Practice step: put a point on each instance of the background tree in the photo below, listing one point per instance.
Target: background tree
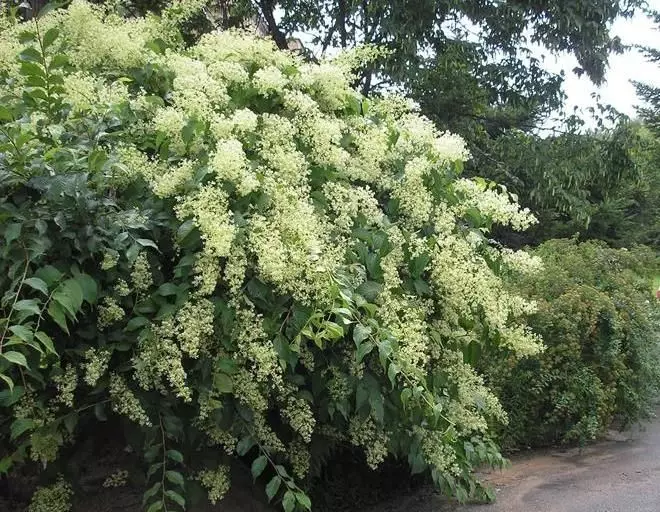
(649, 94)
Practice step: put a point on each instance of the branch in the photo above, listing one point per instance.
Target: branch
(328, 37)
(341, 21)
(18, 292)
(267, 8)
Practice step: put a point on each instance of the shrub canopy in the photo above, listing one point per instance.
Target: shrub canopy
(225, 246)
(599, 321)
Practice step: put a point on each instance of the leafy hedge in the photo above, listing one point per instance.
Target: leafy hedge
(600, 324)
(231, 253)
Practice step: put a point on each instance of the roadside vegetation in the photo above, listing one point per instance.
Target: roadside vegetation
(223, 252)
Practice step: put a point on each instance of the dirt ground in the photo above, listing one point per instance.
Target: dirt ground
(620, 474)
(345, 486)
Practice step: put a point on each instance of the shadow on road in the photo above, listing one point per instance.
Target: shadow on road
(621, 474)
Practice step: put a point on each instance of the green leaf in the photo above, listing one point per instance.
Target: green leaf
(36, 81)
(35, 94)
(227, 366)
(188, 131)
(5, 114)
(69, 295)
(175, 477)
(156, 505)
(12, 232)
(45, 340)
(37, 284)
(184, 230)
(490, 494)
(405, 397)
(437, 411)
(281, 470)
(49, 274)
(8, 380)
(22, 332)
(376, 402)
(89, 288)
(333, 330)
(153, 469)
(363, 350)
(10, 397)
(167, 289)
(56, 312)
(244, 445)
(461, 494)
(422, 288)
(304, 500)
(258, 466)
(152, 452)
(175, 455)
(5, 464)
(16, 358)
(19, 427)
(150, 492)
(176, 497)
(360, 333)
(145, 242)
(70, 422)
(32, 69)
(136, 322)
(99, 412)
(417, 464)
(96, 160)
(60, 60)
(370, 290)
(30, 54)
(273, 486)
(223, 383)
(289, 501)
(26, 36)
(49, 37)
(28, 305)
(361, 396)
(132, 252)
(14, 340)
(392, 372)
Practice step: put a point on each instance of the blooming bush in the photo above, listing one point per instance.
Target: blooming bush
(600, 323)
(234, 254)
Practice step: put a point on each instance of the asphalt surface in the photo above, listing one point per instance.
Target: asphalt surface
(621, 474)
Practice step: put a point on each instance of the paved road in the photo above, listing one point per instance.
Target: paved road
(619, 475)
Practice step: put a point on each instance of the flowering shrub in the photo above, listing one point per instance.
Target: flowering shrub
(236, 254)
(600, 323)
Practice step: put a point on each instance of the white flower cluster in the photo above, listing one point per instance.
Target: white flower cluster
(276, 162)
(521, 261)
(497, 205)
(475, 402)
(86, 93)
(110, 41)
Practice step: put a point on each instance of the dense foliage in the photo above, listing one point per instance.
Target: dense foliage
(226, 247)
(649, 93)
(598, 185)
(602, 359)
